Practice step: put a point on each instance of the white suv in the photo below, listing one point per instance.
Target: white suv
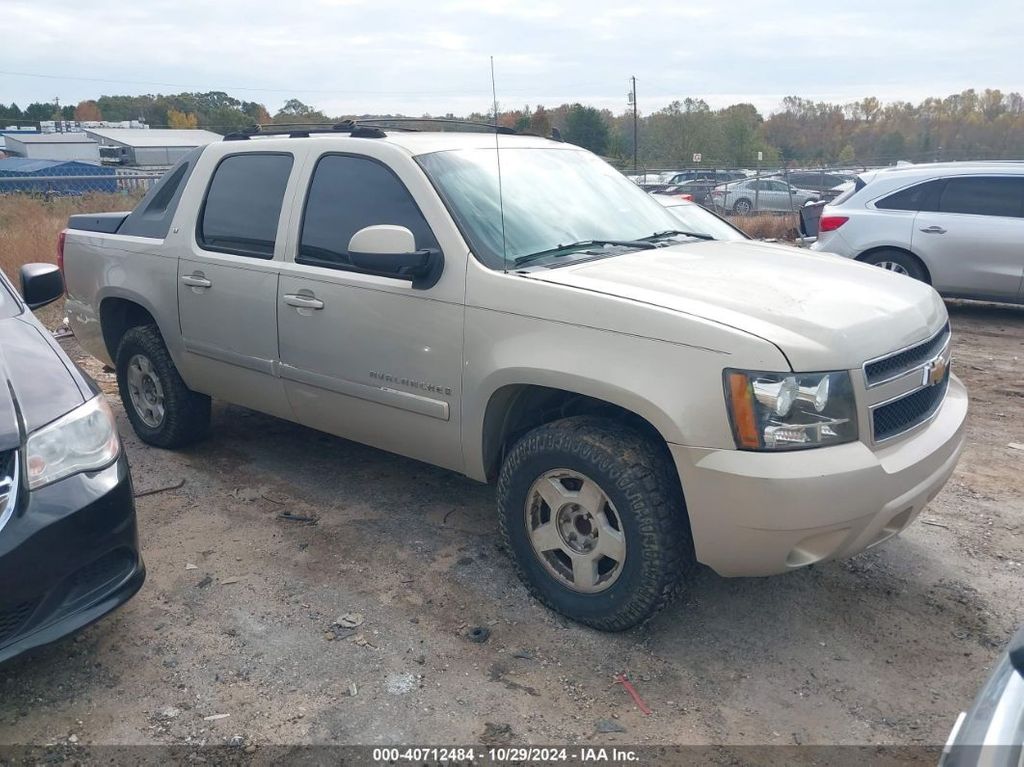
(957, 226)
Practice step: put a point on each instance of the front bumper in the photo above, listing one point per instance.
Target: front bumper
(763, 513)
(68, 556)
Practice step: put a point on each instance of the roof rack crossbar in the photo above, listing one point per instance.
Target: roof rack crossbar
(369, 128)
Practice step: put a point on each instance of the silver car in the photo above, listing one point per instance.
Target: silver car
(754, 195)
(957, 226)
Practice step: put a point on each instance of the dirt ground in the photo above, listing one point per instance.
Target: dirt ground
(236, 620)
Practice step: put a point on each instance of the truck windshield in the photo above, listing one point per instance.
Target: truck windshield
(550, 197)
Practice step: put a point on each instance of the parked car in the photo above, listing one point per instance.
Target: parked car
(819, 181)
(760, 194)
(698, 189)
(700, 220)
(991, 732)
(958, 226)
(715, 176)
(69, 553)
(643, 398)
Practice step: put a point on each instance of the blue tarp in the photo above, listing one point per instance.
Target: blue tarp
(27, 169)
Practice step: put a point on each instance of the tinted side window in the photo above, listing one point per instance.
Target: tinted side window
(983, 196)
(348, 194)
(243, 204)
(918, 197)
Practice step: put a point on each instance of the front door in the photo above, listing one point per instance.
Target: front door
(227, 284)
(366, 357)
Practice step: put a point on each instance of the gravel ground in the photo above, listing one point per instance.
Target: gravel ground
(246, 632)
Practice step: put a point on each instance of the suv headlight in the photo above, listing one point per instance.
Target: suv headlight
(789, 411)
(83, 440)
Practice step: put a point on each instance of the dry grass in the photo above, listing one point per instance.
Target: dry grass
(768, 225)
(29, 225)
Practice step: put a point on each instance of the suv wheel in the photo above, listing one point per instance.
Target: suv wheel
(742, 207)
(594, 518)
(898, 261)
(162, 410)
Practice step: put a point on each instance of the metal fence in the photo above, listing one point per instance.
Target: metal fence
(49, 185)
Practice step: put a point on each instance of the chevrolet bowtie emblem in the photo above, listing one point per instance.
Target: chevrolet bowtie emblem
(935, 371)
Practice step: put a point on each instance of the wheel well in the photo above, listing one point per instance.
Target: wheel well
(117, 317)
(871, 251)
(516, 409)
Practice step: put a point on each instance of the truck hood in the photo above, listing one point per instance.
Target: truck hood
(822, 311)
(34, 381)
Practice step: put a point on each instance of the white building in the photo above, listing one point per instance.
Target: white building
(153, 146)
(52, 146)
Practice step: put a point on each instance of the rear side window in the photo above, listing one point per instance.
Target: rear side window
(984, 196)
(917, 197)
(243, 204)
(348, 194)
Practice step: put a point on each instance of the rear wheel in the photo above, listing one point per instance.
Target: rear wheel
(162, 410)
(899, 262)
(594, 518)
(742, 207)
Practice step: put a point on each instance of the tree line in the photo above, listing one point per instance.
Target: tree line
(969, 125)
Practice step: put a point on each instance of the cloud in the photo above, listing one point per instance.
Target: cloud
(356, 56)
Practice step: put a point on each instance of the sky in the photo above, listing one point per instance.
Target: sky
(433, 56)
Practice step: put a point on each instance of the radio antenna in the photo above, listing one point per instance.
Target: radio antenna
(497, 156)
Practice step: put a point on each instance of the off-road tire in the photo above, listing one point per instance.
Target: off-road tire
(640, 481)
(186, 413)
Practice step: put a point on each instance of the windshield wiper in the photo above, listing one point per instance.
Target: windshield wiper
(643, 244)
(678, 233)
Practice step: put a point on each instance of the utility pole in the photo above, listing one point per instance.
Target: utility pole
(60, 124)
(632, 98)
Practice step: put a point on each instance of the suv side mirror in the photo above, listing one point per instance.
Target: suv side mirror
(391, 251)
(41, 284)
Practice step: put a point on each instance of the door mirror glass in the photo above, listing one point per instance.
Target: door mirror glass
(41, 284)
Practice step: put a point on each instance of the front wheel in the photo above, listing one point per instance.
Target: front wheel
(594, 517)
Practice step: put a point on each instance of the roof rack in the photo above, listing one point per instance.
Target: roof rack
(355, 128)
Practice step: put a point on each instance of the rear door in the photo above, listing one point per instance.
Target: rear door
(973, 240)
(227, 282)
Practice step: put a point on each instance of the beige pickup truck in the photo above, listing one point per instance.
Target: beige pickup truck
(644, 394)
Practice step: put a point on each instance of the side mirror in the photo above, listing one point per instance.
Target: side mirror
(41, 284)
(391, 251)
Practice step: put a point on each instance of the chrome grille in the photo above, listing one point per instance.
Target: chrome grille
(900, 415)
(8, 485)
(896, 364)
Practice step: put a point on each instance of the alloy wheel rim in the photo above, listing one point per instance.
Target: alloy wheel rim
(575, 531)
(892, 266)
(145, 390)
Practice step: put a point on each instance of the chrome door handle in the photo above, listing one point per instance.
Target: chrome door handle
(302, 302)
(195, 281)
(933, 230)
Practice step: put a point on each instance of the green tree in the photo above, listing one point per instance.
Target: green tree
(585, 127)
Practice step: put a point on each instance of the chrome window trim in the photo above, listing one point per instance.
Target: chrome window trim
(864, 368)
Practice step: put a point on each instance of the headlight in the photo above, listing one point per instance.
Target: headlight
(787, 411)
(83, 440)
